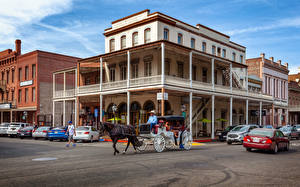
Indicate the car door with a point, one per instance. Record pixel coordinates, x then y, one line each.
280 140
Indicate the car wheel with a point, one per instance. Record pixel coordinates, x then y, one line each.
275 150
229 143
249 149
35 138
51 139
21 137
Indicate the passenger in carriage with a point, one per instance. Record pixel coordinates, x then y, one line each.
152 119
177 130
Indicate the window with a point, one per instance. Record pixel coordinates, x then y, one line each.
87 81
180 69
123 42
213 50
194 73
33 71
112 74
147 35
12 75
216 77
224 53
219 51
20 96
204 46
20 74
12 95
233 56
135 70
7 77
148 71
33 94
179 39
166 34
266 85
167 66
2 76
26 72
241 58
193 41
274 81
135 39
112 45
26 95
204 74
123 71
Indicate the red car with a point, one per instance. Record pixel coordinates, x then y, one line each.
266 139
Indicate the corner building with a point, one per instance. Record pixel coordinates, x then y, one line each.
155 62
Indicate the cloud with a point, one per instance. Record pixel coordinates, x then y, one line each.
17 14
282 23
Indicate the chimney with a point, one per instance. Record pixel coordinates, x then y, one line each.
279 62
198 26
272 59
18 46
262 55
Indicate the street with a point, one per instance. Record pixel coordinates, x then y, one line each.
93 164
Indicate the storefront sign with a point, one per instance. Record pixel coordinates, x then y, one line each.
26 83
5 106
159 96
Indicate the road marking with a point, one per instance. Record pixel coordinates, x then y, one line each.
44 159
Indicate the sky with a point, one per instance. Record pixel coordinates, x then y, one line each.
75 27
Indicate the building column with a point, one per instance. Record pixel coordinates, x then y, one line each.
190 114
76 112
247 111
230 111
128 108
230 78
273 115
53 113
260 113
162 63
53 85
191 69
64 84
101 73
247 83
64 113
213 117
213 72
101 108
128 69
163 102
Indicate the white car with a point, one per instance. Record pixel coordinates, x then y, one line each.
14 127
86 133
3 129
41 132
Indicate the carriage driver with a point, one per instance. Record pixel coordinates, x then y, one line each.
152 119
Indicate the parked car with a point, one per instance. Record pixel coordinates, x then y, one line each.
57 133
86 133
237 133
298 128
268 127
266 139
25 132
3 129
290 132
14 127
41 132
223 135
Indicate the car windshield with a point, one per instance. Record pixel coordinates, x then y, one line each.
261 132
285 129
43 128
239 129
83 128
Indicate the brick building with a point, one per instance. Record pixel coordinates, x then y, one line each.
294 99
26 84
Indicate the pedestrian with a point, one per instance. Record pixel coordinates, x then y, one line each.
71 131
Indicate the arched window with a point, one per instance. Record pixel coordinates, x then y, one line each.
166 34
219 51
123 42
147 36
241 58
233 56
180 39
224 53
213 50
204 46
193 43
135 39
112 45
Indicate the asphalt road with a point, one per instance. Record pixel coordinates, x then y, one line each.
93 164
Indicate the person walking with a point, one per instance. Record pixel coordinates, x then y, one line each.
71 131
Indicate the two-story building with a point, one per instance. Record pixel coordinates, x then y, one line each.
156 62
26 84
294 99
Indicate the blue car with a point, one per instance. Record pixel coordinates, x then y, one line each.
57 133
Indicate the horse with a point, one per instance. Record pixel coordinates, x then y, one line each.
118 131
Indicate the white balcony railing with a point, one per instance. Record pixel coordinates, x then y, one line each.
177 81
88 89
114 85
145 81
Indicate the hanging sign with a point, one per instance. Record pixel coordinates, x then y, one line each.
159 96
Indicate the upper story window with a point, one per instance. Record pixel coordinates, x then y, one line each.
194 72
112 45
219 51
20 74
179 39
166 34
135 39
204 46
148 65
7 77
123 71
241 58
12 75
123 42
2 76
180 69
224 53
135 70
112 74
193 42
147 35
213 50
33 71
167 66
233 56
204 74
26 72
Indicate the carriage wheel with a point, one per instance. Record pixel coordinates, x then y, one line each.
187 142
143 146
159 143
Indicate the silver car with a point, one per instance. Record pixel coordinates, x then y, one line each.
14 127
3 129
86 133
41 132
238 133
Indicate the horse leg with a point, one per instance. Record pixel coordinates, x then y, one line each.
133 141
128 142
115 140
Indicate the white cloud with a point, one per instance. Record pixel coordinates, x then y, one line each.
294 69
15 14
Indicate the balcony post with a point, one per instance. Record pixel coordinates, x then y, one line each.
272 116
230 77
64 112
162 63
75 81
64 84
53 113
76 112
191 69
191 114
128 108
213 73
128 69
101 73
246 80
260 113
213 117
163 102
101 108
247 106
230 112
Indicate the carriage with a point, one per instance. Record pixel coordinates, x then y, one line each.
165 135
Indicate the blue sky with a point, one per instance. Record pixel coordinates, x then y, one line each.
75 27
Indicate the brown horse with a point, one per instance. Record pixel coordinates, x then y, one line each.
118 131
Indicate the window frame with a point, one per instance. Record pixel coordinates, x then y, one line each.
166 33
112 48
193 43
147 31
180 39
133 39
204 47
122 40
213 50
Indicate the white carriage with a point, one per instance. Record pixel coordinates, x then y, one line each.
162 138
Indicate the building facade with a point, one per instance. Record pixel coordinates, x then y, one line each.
155 62
26 84
274 78
294 99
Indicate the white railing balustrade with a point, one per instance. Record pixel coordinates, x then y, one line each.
58 94
114 85
145 81
222 89
177 81
70 93
88 89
